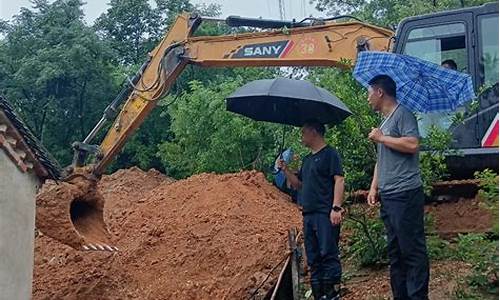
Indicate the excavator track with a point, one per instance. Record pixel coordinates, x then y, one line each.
454 190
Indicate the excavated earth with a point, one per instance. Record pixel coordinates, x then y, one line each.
207 237
463 216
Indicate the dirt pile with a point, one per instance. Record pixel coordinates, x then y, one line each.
462 216
72 212
206 237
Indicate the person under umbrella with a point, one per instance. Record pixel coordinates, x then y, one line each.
320 181
449 64
320 185
398 84
397 180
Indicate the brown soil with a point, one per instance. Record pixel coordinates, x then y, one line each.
80 197
463 216
207 237
466 215
374 285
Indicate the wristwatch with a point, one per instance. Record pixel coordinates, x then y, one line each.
336 208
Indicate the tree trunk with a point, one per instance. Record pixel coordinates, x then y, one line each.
42 122
80 109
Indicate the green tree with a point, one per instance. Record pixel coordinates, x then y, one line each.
131 27
390 12
435 146
207 138
56 72
134 28
169 9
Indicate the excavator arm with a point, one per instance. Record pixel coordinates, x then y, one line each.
330 44
323 43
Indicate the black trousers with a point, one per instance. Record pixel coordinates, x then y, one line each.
321 239
403 216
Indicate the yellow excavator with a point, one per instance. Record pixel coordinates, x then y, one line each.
71 210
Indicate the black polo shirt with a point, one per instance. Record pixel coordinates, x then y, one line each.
316 174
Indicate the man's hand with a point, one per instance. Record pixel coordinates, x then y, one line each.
282 165
376 135
372 197
291 177
336 217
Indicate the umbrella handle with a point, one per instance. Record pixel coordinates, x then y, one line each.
280 150
282 142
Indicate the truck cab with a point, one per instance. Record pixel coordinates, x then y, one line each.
468 37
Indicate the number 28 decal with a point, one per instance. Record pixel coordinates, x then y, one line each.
307 46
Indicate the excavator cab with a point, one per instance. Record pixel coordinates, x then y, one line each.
468 37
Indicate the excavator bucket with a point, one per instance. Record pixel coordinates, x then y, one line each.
71 212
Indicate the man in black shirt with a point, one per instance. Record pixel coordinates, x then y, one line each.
320 185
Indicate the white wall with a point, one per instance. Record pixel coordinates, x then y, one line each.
17 224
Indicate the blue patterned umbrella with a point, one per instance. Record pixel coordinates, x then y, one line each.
421 85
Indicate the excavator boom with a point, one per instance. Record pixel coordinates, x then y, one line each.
334 44
325 43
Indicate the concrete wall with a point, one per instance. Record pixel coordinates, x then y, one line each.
17 224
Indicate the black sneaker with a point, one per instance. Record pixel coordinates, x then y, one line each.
332 291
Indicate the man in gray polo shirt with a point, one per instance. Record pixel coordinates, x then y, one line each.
396 181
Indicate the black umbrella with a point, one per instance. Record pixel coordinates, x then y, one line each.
287 101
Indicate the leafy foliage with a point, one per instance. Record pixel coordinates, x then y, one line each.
207 138
437 248
480 250
134 27
390 12
482 254
433 159
367 245
56 71
488 193
131 27
488 183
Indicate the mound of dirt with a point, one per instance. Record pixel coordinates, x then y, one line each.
206 237
63 210
462 216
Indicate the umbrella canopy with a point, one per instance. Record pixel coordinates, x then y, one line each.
422 86
287 101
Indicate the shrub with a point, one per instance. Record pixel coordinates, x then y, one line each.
367 244
488 193
482 254
433 157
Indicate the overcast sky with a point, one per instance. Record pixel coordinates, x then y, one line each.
248 8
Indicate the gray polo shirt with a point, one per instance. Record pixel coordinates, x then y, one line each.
397 171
